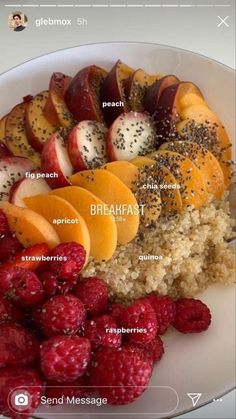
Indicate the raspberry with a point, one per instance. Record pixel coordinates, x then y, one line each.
192 316
50 283
95 331
21 286
24 380
119 375
9 246
4 229
165 309
140 315
65 358
93 293
116 311
153 350
75 256
62 314
18 347
78 388
10 313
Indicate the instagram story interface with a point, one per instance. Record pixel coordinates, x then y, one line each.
117 209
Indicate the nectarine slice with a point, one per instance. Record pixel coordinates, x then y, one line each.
135 88
30 227
204 160
102 228
38 128
188 176
112 191
64 218
15 135
124 170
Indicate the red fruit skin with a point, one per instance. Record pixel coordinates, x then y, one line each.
96 331
10 313
75 255
9 246
62 314
4 228
18 347
165 310
78 388
93 292
116 311
21 286
50 283
4 151
14 381
192 316
37 250
65 358
119 375
153 351
140 315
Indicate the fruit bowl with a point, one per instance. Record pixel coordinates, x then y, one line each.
193 364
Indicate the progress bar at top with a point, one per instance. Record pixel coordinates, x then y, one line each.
119 5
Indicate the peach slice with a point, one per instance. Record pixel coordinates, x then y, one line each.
30 227
112 92
124 170
4 151
27 187
113 192
64 218
188 176
38 128
15 135
152 96
135 88
2 127
83 94
204 160
55 109
102 228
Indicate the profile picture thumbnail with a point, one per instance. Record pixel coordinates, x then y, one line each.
17 21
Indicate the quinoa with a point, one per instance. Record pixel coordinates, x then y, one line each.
190 249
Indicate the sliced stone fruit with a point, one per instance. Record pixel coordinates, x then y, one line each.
112 191
124 170
15 135
101 227
27 187
204 160
188 176
141 161
38 128
30 227
63 217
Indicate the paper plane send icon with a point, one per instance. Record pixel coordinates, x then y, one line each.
194 397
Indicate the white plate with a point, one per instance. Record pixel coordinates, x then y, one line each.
201 363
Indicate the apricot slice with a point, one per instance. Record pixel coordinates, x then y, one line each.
29 227
204 160
124 170
188 176
142 161
112 191
101 227
64 218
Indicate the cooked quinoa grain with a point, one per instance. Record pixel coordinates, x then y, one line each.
180 256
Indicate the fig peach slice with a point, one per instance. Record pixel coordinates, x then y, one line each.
56 162
113 192
83 94
153 93
2 127
124 170
101 227
38 128
204 160
55 109
63 217
29 227
135 88
4 151
27 187
15 135
113 92
188 176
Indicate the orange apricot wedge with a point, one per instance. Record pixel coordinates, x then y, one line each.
124 170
